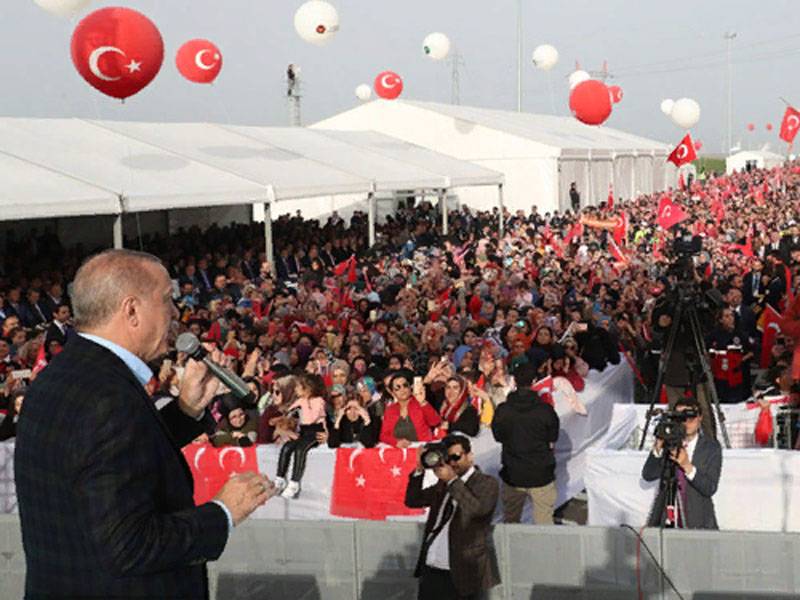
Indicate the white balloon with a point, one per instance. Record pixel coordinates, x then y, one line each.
578 77
666 106
62 8
685 113
316 22
545 57
436 46
363 92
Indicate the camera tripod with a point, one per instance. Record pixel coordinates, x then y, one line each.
686 312
668 509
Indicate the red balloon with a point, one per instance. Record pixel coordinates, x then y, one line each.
751 127
616 93
590 102
388 85
698 145
118 51
199 61
769 126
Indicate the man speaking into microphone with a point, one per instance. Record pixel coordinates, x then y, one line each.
105 496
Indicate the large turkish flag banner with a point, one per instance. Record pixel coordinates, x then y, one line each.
371 483
212 467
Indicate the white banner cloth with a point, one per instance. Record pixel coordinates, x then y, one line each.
759 489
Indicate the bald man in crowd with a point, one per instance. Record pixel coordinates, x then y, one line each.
105 496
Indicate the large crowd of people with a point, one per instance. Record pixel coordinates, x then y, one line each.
420 335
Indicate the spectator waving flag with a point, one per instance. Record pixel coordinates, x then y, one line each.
683 153
669 213
769 324
790 124
544 387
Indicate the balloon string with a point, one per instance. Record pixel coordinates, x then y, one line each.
222 104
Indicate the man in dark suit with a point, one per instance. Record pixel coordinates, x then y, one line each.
457 559
31 313
107 511
57 330
698 465
753 289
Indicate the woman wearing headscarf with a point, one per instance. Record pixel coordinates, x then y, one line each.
274 426
236 428
457 412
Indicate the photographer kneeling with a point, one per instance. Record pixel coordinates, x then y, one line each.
457 557
697 466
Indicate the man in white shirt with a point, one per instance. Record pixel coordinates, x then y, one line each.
698 465
457 559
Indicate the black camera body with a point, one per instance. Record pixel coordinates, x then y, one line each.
433 455
671 428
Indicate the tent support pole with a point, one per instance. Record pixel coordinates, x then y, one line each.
118 231
268 234
371 205
443 207
501 206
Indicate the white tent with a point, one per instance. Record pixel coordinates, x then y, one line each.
539 155
69 167
759 159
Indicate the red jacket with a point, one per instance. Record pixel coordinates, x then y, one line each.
424 418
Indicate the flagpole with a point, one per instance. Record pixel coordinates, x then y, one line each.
519 55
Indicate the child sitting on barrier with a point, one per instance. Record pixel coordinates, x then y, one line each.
310 409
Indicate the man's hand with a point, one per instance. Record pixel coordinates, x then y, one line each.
445 472
322 437
403 443
198 386
244 492
681 457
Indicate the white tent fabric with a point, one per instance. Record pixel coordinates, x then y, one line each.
31 191
535 153
761 159
71 167
146 177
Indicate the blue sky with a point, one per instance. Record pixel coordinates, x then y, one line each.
654 49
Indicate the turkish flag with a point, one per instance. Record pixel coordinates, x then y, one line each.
41 360
544 387
370 483
769 323
575 232
669 213
343 266
212 467
620 232
683 153
790 124
616 252
610 202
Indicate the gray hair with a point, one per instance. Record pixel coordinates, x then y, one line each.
105 279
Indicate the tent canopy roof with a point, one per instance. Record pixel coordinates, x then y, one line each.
71 167
564 134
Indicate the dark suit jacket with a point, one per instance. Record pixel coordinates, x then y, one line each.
54 333
473 564
699 511
105 496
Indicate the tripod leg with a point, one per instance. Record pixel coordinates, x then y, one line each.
702 352
666 354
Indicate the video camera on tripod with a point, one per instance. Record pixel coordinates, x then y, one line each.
671 428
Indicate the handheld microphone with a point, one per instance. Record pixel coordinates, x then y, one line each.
188 343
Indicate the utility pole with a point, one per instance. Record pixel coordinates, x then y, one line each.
456 62
519 55
293 94
730 36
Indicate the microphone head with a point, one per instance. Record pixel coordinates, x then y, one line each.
188 343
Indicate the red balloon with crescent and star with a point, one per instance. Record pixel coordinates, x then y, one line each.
388 85
199 61
118 51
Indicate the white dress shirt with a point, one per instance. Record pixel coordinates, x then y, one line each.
438 555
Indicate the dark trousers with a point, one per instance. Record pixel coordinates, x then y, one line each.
437 584
299 449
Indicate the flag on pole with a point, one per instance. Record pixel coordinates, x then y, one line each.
683 153
669 213
790 124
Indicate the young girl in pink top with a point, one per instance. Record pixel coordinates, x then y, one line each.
310 406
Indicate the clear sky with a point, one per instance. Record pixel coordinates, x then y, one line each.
655 50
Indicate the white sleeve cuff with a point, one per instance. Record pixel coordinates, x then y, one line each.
690 474
227 514
657 453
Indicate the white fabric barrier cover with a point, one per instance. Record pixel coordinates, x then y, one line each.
759 489
740 422
578 434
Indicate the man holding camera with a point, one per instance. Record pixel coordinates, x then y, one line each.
457 559
698 464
